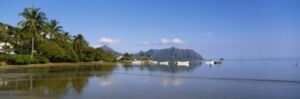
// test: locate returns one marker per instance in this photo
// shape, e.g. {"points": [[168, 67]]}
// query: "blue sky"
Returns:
{"points": [[214, 28]]}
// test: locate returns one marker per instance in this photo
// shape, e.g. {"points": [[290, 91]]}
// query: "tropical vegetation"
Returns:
{"points": [[38, 40]]}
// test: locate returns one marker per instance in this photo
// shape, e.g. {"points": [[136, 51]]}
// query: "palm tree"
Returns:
{"points": [[79, 43], [2, 27], [53, 29], [67, 37], [33, 23], [16, 35], [64, 37], [4, 30]]}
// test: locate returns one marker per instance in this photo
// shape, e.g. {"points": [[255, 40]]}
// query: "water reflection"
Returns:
{"points": [[173, 81], [59, 80], [172, 68], [50, 80], [106, 82], [176, 82]]}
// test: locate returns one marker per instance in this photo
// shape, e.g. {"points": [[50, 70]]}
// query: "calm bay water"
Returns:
{"points": [[259, 79]]}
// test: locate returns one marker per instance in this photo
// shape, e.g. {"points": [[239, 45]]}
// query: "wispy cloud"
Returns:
{"points": [[146, 43], [96, 45], [164, 41], [172, 41], [106, 82], [109, 41]]}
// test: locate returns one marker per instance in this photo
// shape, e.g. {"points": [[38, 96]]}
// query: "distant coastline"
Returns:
{"points": [[59, 64]]}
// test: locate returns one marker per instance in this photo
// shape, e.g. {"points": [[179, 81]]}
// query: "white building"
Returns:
{"points": [[3, 45]]}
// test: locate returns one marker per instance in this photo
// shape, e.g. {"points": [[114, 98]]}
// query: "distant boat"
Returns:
{"points": [[136, 62], [164, 63], [153, 62], [222, 59], [211, 62], [182, 63]]}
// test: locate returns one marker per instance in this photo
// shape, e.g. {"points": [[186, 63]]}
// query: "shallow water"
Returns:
{"points": [[256, 79]]}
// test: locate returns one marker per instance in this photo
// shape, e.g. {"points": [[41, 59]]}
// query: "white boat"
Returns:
{"points": [[213, 62], [164, 63], [183, 63], [153, 62], [136, 62], [210, 62]]}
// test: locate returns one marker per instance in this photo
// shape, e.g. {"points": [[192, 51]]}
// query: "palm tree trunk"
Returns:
{"points": [[32, 46]]}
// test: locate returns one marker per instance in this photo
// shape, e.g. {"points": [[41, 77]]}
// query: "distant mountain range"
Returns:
{"points": [[171, 54], [167, 54], [108, 49]]}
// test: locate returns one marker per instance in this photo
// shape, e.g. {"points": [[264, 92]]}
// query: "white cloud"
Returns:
{"points": [[173, 41], [146, 43], [109, 41], [106, 82], [96, 45]]}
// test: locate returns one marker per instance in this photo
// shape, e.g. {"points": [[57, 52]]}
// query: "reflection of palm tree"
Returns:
{"points": [[33, 23], [59, 80], [56, 86], [79, 83]]}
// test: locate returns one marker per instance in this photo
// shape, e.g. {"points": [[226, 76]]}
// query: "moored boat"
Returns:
{"points": [[182, 63], [164, 63], [154, 62], [136, 62], [211, 62]]}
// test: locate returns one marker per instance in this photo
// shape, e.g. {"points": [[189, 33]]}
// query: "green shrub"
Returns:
{"points": [[22, 59], [42, 60], [56, 53], [18, 59]]}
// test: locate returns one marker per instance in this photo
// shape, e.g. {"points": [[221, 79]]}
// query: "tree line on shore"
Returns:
{"points": [[37, 39]]}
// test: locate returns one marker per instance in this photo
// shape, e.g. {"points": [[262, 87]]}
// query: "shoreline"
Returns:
{"points": [[58, 64]]}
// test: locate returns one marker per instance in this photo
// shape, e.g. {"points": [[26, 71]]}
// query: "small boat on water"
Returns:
{"points": [[136, 62], [164, 63], [211, 62], [182, 63], [153, 62]]}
